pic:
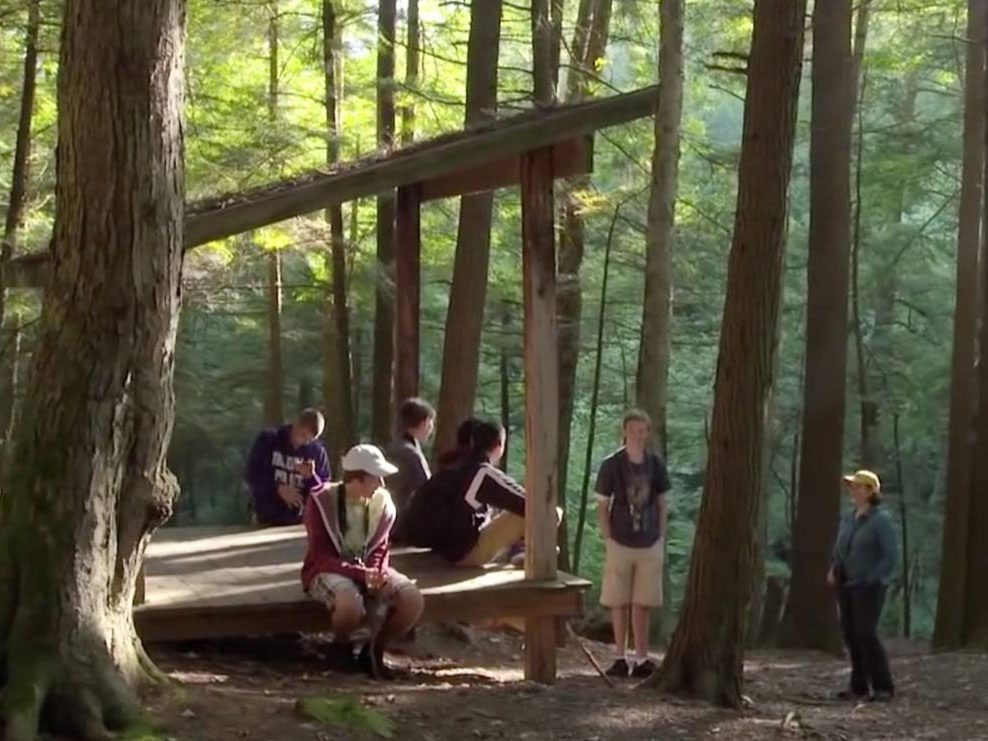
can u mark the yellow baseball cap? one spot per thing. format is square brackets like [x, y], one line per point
[866, 478]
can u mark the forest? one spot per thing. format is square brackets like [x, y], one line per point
[856, 322]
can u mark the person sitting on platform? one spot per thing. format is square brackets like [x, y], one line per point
[453, 513]
[346, 566]
[284, 465]
[464, 442]
[417, 419]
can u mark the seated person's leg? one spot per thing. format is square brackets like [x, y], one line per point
[502, 532]
[342, 599]
[406, 605]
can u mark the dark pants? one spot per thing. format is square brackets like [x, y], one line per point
[860, 609]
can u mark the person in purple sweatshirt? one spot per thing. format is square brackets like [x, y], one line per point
[284, 465]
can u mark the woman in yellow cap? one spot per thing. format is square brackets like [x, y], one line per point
[865, 559]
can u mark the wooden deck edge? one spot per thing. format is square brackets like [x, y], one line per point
[164, 624]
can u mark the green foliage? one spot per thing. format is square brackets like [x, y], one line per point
[346, 714]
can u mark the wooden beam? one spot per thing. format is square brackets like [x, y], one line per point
[408, 288]
[523, 601]
[541, 399]
[570, 157]
[224, 216]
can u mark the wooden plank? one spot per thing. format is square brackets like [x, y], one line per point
[309, 616]
[408, 289]
[216, 218]
[570, 157]
[541, 399]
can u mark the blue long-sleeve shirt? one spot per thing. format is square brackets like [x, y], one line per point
[271, 462]
[866, 551]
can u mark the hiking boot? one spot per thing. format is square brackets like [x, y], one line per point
[619, 668]
[516, 555]
[883, 696]
[643, 669]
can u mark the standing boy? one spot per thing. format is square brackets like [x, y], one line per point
[284, 465]
[631, 494]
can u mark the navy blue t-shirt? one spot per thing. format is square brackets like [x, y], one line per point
[632, 492]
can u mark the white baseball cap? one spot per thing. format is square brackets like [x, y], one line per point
[370, 459]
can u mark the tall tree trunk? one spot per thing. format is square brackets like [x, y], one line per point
[653, 366]
[412, 64]
[382, 405]
[907, 571]
[10, 336]
[653, 370]
[589, 44]
[546, 19]
[948, 631]
[274, 412]
[468, 294]
[337, 378]
[706, 654]
[810, 620]
[89, 481]
[975, 607]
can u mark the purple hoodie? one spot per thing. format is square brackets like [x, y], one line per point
[271, 462]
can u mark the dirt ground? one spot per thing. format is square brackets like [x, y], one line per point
[250, 689]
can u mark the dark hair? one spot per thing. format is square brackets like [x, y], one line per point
[312, 420]
[874, 499]
[414, 412]
[486, 437]
[464, 433]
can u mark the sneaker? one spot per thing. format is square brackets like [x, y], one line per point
[516, 555]
[852, 695]
[883, 696]
[643, 669]
[619, 668]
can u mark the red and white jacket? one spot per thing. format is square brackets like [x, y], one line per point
[322, 525]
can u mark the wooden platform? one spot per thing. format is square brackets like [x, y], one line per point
[219, 582]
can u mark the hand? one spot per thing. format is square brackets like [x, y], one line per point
[290, 496]
[831, 578]
[376, 579]
[306, 469]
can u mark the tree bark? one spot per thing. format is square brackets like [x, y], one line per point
[589, 44]
[948, 631]
[382, 403]
[706, 654]
[468, 294]
[653, 369]
[337, 379]
[975, 607]
[89, 482]
[274, 405]
[412, 65]
[810, 620]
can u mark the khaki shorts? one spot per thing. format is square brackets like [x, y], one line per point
[632, 576]
[325, 586]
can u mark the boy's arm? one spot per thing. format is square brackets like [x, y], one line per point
[605, 493]
[322, 472]
[259, 475]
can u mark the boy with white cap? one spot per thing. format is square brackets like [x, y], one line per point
[349, 530]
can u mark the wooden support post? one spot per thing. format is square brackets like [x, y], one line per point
[541, 399]
[408, 249]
